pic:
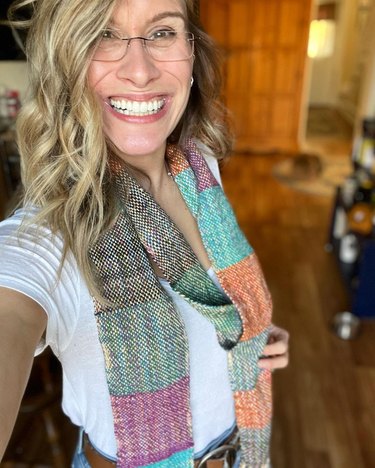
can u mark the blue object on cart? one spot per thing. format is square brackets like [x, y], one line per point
[364, 298]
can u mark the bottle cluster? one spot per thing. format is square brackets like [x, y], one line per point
[354, 216]
[9, 103]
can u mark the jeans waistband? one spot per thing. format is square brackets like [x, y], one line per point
[222, 456]
[219, 457]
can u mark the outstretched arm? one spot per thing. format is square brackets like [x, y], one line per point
[22, 324]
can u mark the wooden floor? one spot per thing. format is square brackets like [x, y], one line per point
[324, 415]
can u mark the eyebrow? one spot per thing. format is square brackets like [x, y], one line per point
[167, 14]
[160, 16]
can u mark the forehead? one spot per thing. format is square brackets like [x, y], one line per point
[133, 14]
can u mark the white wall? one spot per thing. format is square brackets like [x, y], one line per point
[366, 105]
[13, 75]
[366, 101]
[323, 90]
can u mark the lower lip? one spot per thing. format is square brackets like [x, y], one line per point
[140, 118]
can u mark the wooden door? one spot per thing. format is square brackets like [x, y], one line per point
[265, 43]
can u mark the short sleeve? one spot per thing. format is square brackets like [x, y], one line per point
[30, 260]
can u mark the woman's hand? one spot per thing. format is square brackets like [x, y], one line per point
[275, 353]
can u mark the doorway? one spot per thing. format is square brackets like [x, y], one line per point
[336, 75]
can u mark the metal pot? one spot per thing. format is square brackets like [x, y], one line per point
[346, 325]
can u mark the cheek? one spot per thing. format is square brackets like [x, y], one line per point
[183, 75]
[95, 75]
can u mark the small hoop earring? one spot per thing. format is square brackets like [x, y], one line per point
[191, 82]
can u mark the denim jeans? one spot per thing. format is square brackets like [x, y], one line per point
[80, 460]
[216, 443]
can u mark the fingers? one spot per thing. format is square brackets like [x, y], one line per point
[279, 347]
[274, 362]
[278, 342]
[275, 353]
[278, 334]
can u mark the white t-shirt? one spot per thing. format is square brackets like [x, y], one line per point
[30, 264]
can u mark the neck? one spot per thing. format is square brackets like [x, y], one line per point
[150, 171]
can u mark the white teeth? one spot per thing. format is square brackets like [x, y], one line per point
[137, 108]
[143, 107]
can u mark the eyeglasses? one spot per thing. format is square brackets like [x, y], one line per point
[162, 46]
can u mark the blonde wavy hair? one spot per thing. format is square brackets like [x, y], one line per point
[64, 152]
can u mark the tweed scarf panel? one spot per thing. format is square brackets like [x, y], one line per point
[163, 241]
[142, 336]
[145, 351]
[240, 275]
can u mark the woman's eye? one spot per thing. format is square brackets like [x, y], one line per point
[163, 35]
[108, 34]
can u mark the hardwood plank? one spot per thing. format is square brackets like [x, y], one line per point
[317, 460]
[365, 415]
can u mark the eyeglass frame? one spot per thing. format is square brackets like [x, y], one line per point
[189, 37]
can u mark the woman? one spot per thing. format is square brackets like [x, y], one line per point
[126, 258]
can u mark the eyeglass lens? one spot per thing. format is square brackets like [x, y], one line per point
[168, 46]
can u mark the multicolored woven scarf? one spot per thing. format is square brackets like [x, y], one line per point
[142, 334]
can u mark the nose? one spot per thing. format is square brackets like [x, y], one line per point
[137, 65]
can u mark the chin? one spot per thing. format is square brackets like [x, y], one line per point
[142, 147]
[139, 140]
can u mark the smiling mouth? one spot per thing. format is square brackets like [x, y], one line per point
[137, 108]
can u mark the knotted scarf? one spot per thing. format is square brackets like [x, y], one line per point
[142, 334]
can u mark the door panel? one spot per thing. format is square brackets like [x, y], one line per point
[265, 44]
